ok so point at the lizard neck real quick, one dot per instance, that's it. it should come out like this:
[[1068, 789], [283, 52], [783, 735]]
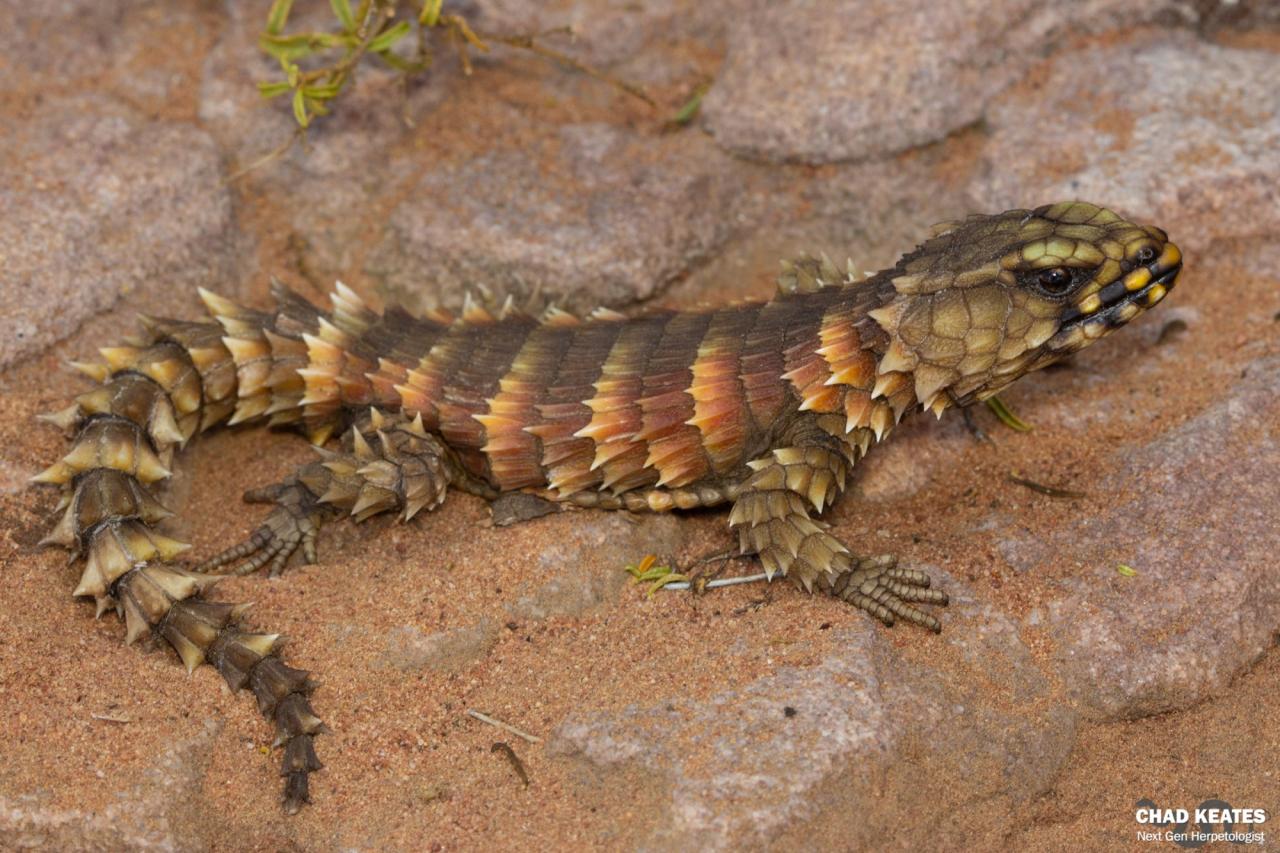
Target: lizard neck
[[840, 371]]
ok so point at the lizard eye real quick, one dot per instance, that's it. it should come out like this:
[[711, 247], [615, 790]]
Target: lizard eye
[[1055, 281], [1146, 255]]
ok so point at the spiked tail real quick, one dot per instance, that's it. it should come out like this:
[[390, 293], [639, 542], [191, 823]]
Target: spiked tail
[[156, 393]]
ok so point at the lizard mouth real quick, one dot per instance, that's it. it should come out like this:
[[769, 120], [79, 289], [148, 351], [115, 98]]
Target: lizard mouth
[[1120, 301]]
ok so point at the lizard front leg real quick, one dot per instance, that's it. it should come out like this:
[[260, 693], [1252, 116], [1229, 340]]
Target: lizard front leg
[[387, 462], [774, 518]]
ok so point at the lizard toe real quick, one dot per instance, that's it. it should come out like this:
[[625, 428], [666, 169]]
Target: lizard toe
[[290, 527]]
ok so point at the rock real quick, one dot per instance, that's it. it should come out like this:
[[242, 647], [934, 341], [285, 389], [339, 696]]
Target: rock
[[1216, 15], [837, 753], [570, 575], [387, 191], [589, 212], [1172, 130], [163, 811], [823, 82], [1201, 528], [581, 573], [444, 651], [148, 53], [909, 459], [658, 42], [99, 203]]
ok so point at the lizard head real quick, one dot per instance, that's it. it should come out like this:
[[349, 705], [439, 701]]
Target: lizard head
[[990, 298]]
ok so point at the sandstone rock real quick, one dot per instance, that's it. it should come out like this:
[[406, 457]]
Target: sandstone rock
[[591, 212], [1195, 514], [575, 577], [99, 203], [444, 651], [1172, 130], [839, 752], [908, 461], [368, 119], [148, 53], [568, 577], [658, 42], [819, 82], [1216, 15], [161, 812]]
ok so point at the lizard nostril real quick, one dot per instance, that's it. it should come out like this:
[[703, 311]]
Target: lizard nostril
[[1146, 255]]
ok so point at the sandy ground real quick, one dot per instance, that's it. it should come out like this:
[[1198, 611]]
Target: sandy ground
[[405, 758], [89, 725]]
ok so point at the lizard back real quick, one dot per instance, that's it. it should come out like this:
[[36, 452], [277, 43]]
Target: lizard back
[[665, 400]]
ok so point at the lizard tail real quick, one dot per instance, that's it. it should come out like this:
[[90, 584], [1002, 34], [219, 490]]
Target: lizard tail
[[158, 391]]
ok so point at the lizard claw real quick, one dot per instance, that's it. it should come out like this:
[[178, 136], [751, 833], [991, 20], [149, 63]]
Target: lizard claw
[[293, 524]]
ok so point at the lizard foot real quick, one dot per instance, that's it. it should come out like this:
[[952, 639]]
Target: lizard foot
[[293, 524], [887, 592]]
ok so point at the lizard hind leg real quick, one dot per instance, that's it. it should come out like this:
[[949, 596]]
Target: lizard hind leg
[[773, 516], [294, 523], [387, 462]]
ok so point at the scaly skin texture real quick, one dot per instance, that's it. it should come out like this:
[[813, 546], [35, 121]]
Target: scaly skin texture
[[765, 406]]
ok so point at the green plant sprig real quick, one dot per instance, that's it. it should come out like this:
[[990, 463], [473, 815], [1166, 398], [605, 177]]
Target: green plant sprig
[[367, 29], [371, 28]]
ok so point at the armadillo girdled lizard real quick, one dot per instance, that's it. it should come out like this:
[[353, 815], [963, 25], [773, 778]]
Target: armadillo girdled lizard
[[764, 406]]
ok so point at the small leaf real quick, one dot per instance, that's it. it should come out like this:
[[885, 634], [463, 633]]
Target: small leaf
[[325, 92], [1006, 416], [389, 36], [296, 46], [302, 42], [645, 564], [663, 580], [271, 90], [691, 107], [278, 15], [1127, 571], [300, 109], [342, 9], [401, 64], [430, 13]]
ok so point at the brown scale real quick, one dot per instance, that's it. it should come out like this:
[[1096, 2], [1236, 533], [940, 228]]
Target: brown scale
[[127, 395], [763, 361], [562, 410], [515, 451], [202, 342], [361, 340], [270, 353], [720, 410], [400, 341], [616, 416], [806, 369], [868, 399], [336, 374], [467, 390], [103, 494], [424, 391], [167, 364], [674, 447]]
